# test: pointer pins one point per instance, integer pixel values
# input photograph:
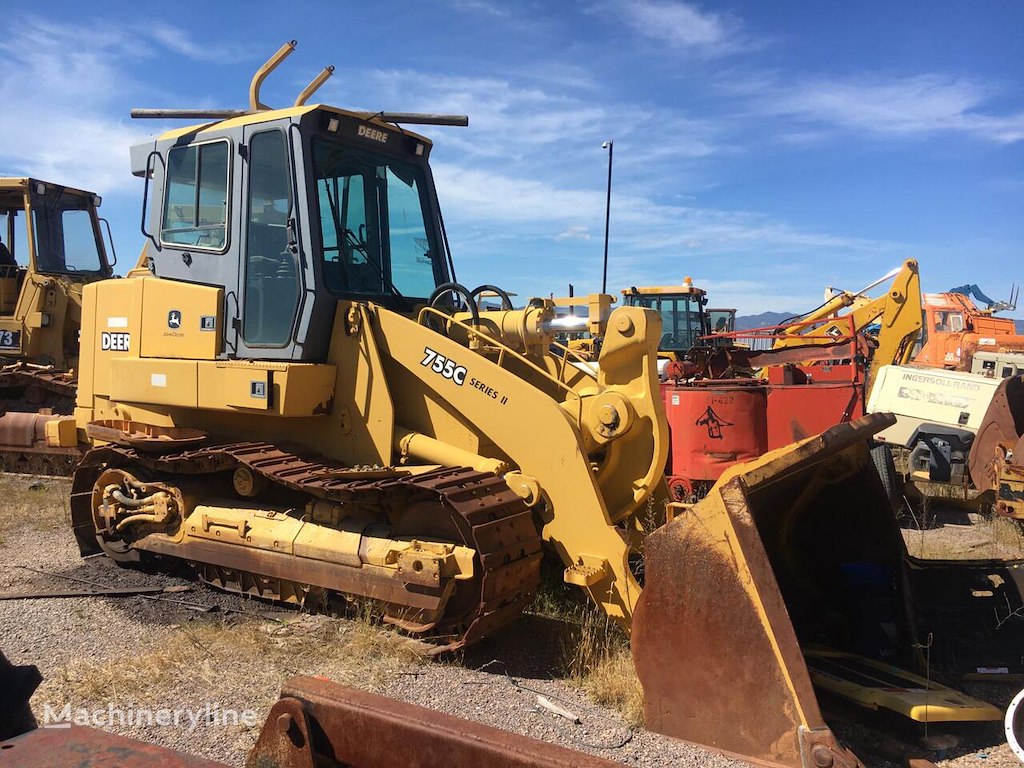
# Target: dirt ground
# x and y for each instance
(133, 652)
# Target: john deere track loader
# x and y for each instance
(291, 396)
(276, 395)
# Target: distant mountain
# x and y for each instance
(764, 320)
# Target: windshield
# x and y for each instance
(66, 239)
(375, 236)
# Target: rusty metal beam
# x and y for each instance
(316, 718)
(112, 592)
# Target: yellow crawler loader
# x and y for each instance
(291, 396)
(278, 395)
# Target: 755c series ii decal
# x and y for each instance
(448, 368)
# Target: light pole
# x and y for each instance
(610, 146)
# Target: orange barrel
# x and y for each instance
(714, 425)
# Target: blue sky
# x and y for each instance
(765, 149)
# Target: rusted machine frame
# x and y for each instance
(996, 459)
(316, 718)
(318, 723)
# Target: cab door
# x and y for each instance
(270, 278)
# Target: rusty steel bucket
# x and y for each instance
(737, 581)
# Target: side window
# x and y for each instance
(196, 203)
(80, 254)
(16, 249)
(271, 273)
(411, 272)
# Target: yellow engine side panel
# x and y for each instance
(156, 381)
(181, 320)
(115, 332)
(281, 389)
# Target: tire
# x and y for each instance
(1015, 725)
(885, 466)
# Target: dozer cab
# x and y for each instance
(293, 398)
(52, 247)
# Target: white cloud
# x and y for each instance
(682, 26)
(900, 106)
(63, 94)
(71, 101)
(574, 232)
(535, 123)
(185, 44)
(483, 7)
(641, 227)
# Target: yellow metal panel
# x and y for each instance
(283, 389)
(62, 432)
(161, 382)
(364, 414)
(182, 320)
(304, 390)
(8, 294)
(117, 330)
(226, 386)
(875, 685)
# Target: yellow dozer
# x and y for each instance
(51, 246)
(292, 397)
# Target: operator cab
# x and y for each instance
(683, 317)
(291, 210)
(60, 236)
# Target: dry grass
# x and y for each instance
(595, 650)
(962, 532)
(35, 505)
(241, 654)
(599, 661)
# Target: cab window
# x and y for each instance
(196, 199)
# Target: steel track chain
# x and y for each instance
(493, 520)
